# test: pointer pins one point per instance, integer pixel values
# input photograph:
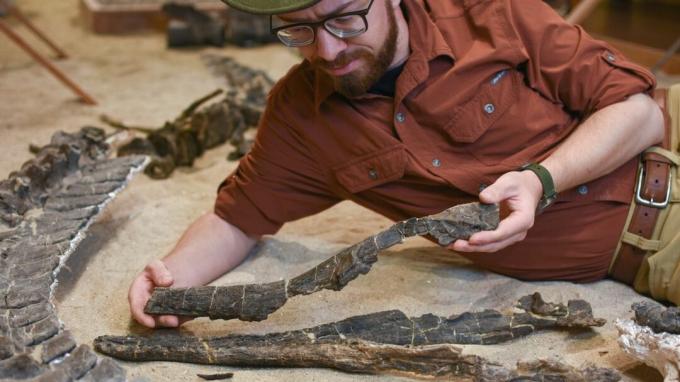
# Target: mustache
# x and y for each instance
(341, 60)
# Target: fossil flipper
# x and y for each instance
(254, 302)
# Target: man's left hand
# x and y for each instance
(518, 194)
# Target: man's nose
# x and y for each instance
(327, 45)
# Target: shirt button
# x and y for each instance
(400, 117)
(489, 108)
(611, 57)
(582, 189)
(373, 174)
(436, 162)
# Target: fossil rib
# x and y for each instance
(254, 302)
(386, 341)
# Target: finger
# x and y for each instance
(159, 273)
(465, 246)
(137, 296)
(144, 319)
(167, 321)
(172, 321)
(514, 224)
(497, 192)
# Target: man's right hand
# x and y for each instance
(207, 249)
(155, 274)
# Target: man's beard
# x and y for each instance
(361, 79)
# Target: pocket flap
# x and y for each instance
(372, 169)
(475, 116)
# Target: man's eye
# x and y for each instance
(297, 30)
(346, 20)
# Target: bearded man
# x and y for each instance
(409, 107)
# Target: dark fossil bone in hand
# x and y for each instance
(386, 341)
(254, 302)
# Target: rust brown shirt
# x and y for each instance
(488, 86)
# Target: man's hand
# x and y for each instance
(518, 194)
(208, 248)
(155, 274)
(604, 141)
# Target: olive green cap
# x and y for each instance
(269, 7)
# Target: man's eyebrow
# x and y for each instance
(334, 12)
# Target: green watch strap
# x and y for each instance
(549, 194)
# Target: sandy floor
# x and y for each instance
(136, 79)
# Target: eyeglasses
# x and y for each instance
(344, 25)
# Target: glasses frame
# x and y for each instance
(322, 23)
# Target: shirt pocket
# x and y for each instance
(371, 170)
(473, 118)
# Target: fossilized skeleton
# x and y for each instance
(254, 302)
(45, 208)
(196, 129)
(383, 342)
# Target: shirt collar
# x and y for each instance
(426, 42)
(425, 38)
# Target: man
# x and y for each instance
(408, 107)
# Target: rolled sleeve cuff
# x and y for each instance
(624, 80)
(235, 207)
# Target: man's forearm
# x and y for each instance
(209, 248)
(605, 141)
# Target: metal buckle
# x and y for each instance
(650, 202)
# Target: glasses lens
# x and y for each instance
(346, 26)
(299, 35)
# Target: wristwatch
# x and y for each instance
(549, 194)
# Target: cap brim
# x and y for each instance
(270, 7)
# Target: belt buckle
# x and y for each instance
(650, 202)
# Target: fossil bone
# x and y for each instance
(383, 342)
(196, 129)
(657, 317)
(254, 302)
(652, 338)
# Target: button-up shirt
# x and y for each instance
(488, 86)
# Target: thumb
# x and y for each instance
(495, 193)
(160, 275)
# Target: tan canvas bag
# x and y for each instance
(659, 273)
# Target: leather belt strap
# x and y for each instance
(655, 183)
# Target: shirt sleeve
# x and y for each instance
(276, 182)
(567, 66)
